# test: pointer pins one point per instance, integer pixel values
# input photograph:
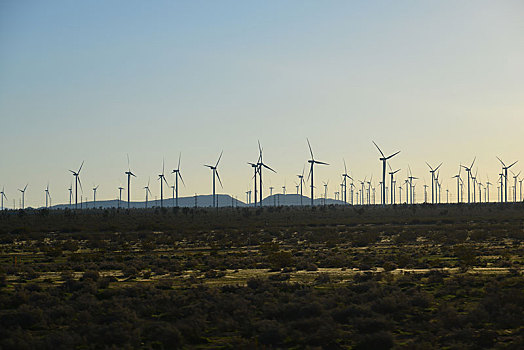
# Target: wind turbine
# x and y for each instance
(47, 196)
(487, 189)
(70, 194)
(177, 175)
(474, 179)
(2, 195)
(325, 190)
(411, 191)
(432, 171)
(369, 189)
(458, 185)
(391, 173)
(129, 174)
(301, 181)
(255, 169)
(162, 179)
(312, 161)
(505, 169)
(515, 177)
(362, 183)
(215, 174)
(468, 170)
(94, 195)
(23, 196)
(76, 174)
(261, 165)
(147, 191)
(345, 176)
(120, 188)
(384, 160)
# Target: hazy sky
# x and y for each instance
(95, 80)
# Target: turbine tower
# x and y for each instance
(178, 174)
(70, 194)
(432, 171)
(162, 179)
(505, 169)
(468, 170)
(23, 196)
(215, 174)
(129, 174)
(76, 174)
(312, 161)
(2, 195)
(384, 160)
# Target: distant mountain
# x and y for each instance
(224, 200)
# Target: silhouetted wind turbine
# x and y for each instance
(120, 188)
(129, 174)
(2, 195)
(76, 174)
(147, 191)
(312, 161)
(505, 169)
(23, 196)
(47, 196)
(261, 164)
(384, 160)
(94, 195)
(515, 178)
(255, 170)
(177, 175)
(458, 184)
(345, 176)
(392, 183)
(468, 170)
(487, 189)
(162, 179)
(325, 190)
(301, 181)
(215, 174)
(432, 171)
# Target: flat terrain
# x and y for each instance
(412, 277)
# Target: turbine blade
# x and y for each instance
(383, 156)
(179, 156)
(267, 167)
(391, 156)
(345, 168)
(220, 157)
(323, 163)
(81, 165)
(512, 164)
(180, 174)
(500, 160)
(429, 166)
(474, 159)
(310, 150)
(438, 166)
(218, 177)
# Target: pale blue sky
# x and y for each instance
(94, 80)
